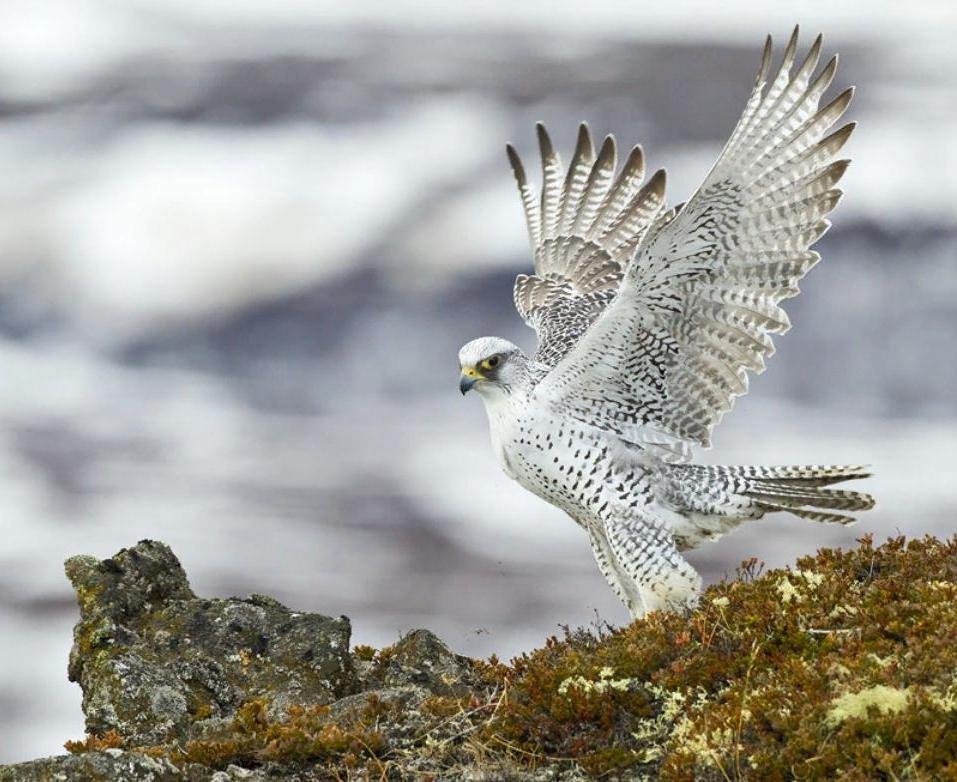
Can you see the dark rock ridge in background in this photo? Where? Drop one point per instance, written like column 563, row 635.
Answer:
column 844, row 662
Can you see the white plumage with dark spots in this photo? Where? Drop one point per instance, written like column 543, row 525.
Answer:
column 648, row 321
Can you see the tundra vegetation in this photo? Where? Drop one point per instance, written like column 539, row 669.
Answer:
column 844, row 666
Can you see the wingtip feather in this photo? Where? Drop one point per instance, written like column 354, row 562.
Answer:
column 823, row 81
column 607, row 151
column 584, row 136
column 840, row 103
column 636, row 159
column 658, row 181
column 835, row 142
column 765, row 61
column 839, row 168
column 544, row 141
column 516, row 163
column 791, row 49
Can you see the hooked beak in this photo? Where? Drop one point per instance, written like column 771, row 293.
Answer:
column 468, row 379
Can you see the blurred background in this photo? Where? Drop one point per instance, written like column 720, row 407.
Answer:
column 241, row 243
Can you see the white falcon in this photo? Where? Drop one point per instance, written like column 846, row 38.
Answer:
column 648, row 321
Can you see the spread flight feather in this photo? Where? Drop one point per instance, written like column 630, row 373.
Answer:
column 704, row 287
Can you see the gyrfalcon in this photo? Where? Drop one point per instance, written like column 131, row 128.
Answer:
column 648, row 321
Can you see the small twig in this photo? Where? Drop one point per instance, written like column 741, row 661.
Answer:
column 460, row 715
column 367, row 748
column 536, row 755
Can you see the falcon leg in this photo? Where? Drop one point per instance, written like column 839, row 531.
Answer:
column 649, row 563
column 617, row 579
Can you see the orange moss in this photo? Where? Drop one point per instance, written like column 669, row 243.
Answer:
column 749, row 685
column 94, row 743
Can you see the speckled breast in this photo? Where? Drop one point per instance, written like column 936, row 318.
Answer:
column 563, row 464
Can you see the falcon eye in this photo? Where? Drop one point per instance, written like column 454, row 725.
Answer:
column 491, row 363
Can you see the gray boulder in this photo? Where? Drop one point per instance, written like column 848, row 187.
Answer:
column 107, row 766
column 422, row 660
column 176, row 687
column 156, row 663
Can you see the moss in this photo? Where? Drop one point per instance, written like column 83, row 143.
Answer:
column 384, row 655
column 364, row 652
column 843, row 667
column 202, row 711
column 94, row 743
column 306, row 735
column 846, row 662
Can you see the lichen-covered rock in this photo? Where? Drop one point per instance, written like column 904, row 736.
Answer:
column 119, row 765
column 105, row 766
column 157, row 663
column 420, row 659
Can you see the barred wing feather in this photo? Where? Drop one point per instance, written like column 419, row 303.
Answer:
column 583, row 231
column 697, row 305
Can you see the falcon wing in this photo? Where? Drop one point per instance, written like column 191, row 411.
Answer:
column 583, row 230
column 701, row 299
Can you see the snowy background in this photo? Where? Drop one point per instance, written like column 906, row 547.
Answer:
column 241, row 243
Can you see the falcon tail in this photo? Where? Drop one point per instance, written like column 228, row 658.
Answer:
column 803, row 490
column 714, row 499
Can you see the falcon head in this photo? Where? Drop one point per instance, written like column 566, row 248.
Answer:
column 489, row 364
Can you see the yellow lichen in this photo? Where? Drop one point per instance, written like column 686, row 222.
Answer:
column 811, row 578
column 603, row 683
column 946, row 700
column 855, row 705
column 788, row 591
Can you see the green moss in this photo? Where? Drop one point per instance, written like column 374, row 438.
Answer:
column 364, row 652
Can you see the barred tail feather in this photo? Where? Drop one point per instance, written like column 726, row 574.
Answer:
column 715, row 499
column 800, row 491
column 807, row 475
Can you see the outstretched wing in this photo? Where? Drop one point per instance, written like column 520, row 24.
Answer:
column 700, row 301
column 583, row 232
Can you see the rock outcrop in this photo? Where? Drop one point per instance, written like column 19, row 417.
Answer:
column 844, row 666
column 158, row 664
column 162, row 668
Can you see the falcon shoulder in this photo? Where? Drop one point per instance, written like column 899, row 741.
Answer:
column 697, row 304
